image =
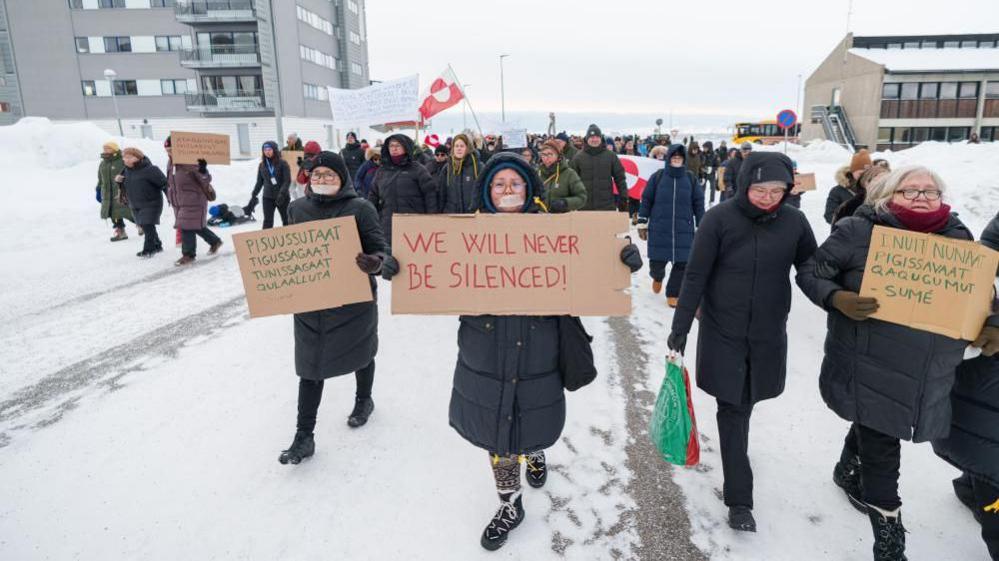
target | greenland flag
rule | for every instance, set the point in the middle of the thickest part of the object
(444, 92)
(637, 171)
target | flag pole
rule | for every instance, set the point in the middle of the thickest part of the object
(466, 100)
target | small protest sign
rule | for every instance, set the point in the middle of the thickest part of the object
(523, 264)
(930, 282)
(302, 268)
(292, 157)
(514, 137)
(804, 182)
(386, 102)
(189, 147)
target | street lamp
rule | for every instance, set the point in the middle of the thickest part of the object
(502, 89)
(109, 75)
(464, 108)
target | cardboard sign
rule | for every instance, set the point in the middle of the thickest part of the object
(520, 264)
(292, 156)
(930, 282)
(188, 147)
(302, 268)
(385, 102)
(804, 182)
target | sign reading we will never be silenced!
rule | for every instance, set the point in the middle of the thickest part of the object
(302, 268)
(522, 264)
(930, 282)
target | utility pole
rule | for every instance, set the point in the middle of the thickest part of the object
(109, 75)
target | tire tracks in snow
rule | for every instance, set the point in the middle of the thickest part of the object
(661, 517)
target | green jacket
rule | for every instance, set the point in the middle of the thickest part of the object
(111, 205)
(562, 182)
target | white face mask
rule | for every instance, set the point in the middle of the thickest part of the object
(322, 189)
(511, 202)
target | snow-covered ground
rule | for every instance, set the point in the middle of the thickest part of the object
(141, 411)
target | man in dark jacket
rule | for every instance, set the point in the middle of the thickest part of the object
(732, 167)
(336, 341)
(600, 169)
(145, 186)
(738, 276)
(352, 154)
(710, 168)
(402, 185)
(274, 178)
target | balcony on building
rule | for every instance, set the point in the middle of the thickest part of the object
(221, 56)
(215, 11)
(227, 102)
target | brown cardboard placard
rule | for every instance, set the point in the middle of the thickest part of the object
(292, 156)
(930, 282)
(804, 182)
(188, 147)
(302, 268)
(521, 264)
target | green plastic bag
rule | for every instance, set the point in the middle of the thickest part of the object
(673, 427)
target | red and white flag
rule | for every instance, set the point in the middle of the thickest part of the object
(637, 171)
(444, 92)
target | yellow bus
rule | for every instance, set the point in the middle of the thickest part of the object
(763, 132)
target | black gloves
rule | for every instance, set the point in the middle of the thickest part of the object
(558, 206)
(250, 206)
(390, 267)
(283, 198)
(370, 264)
(988, 341)
(676, 342)
(853, 305)
(202, 166)
(631, 257)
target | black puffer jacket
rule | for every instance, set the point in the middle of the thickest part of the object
(840, 194)
(353, 156)
(339, 340)
(406, 188)
(507, 396)
(732, 167)
(738, 275)
(145, 186)
(597, 167)
(457, 184)
(973, 443)
(889, 377)
(282, 178)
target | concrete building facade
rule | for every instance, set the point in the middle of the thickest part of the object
(895, 92)
(249, 67)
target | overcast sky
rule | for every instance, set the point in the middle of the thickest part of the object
(689, 57)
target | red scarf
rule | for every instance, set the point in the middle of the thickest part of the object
(924, 222)
(397, 160)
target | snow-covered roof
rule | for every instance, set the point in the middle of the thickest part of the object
(932, 60)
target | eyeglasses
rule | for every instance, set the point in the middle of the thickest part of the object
(913, 194)
(515, 187)
(323, 176)
(769, 193)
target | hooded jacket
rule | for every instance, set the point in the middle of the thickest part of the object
(731, 175)
(889, 377)
(275, 168)
(672, 205)
(507, 395)
(337, 341)
(111, 205)
(145, 185)
(600, 169)
(406, 187)
(457, 181)
(186, 192)
(353, 156)
(562, 182)
(738, 275)
(840, 194)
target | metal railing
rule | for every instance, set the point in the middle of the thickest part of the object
(221, 56)
(835, 125)
(225, 102)
(214, 10)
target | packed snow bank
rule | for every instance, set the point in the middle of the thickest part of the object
(38, 142)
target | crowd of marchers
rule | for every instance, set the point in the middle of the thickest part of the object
(729, 268)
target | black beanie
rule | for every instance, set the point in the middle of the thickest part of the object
(594, 130)
(762, 167)
(333, 161)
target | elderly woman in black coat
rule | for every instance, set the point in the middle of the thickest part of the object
(145, 186)
(340, 340)
(891, 381)
(507, 396)
(738, 275)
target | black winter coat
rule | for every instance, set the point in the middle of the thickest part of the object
(341, 340)
(353, 156)
(738, 275)
(597, 167)
(973, 444)
(885, 376)
(282, 179)
(406, 188)
(145, 186)
(458, 191)
(837, 196)
(732, 167)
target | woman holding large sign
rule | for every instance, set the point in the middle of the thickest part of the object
(891, 381)
(340, 340)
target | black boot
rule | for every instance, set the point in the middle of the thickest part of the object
(363, 407)
(966, 494)
(847, 477)
(741, 518)
(889, 536)
(508, 517)
(302, 447)
(537, 469)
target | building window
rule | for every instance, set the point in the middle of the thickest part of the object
(958, 134)
(76, 4)
(969, 44)
(910, 45)
(4, 107)
(110, 3)
(356, 69)
(988, 134)
(316, 56)
(910, 90)
(118, 44)
(125, 87)
(233, 86)
(986, 44)
(894, 45)
(352, 6)
(951, 44)
(168, 43)
(82, 45)
(991, 110)
(968, 90)
(313, 20)
(89, 88)
(173, 87)
(890, 91)
(162, 3)
(318, 93)
(928, 45)
(355, 38)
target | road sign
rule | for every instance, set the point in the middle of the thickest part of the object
(787, 118)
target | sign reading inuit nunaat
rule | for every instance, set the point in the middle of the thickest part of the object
(930, 282)
(188, 147)
(302, 268)
(521, 264)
